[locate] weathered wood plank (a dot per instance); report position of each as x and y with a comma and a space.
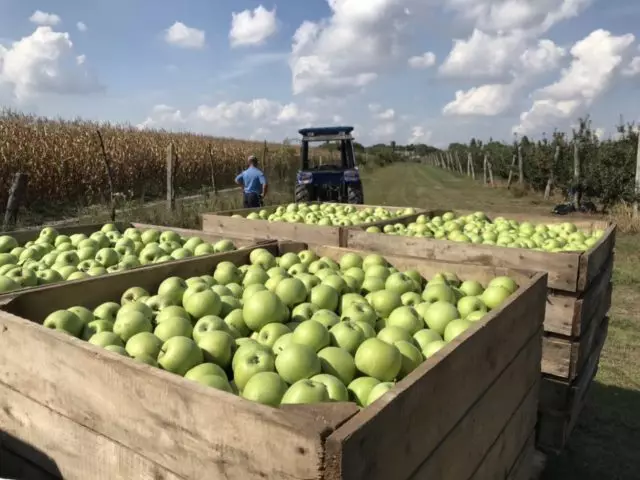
485, 421
594, 260
526, 467
160, 416
505, 452
392, 437
565, 358
73, 451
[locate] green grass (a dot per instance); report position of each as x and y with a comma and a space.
605, 443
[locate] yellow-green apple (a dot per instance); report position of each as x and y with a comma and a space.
143, 343
133, 294
455, 328
360, 388
262, 308
406, 318
96, 326
237, 326
313, 334
64, 321
217, 347
297, 362
494, 296
266, 388
305, 391
179, 355
411, 357
104, 339
378, 391
471, 288
282, 342
335, 388
201, 304
204, 370
173, 288
439, 314
271, 332
378, 359
106, 311
260, 360
347, 335
433, 347
131, 322
393, 334
337, 362
173, 327
425, 336
384, 302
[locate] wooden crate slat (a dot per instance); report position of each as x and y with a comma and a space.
505, 452
74, 451
565, 358
359, 449
485, 421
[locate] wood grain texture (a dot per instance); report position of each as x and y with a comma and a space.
405, 427
504, 453
180, 425
593, 261
486, 420
72, 450
565, 358
526, 467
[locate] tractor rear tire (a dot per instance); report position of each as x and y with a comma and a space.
355, 195
303, 194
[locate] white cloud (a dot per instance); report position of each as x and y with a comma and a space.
486, 100
384, 132
353, 47
183, 36
423, 61
260, 109
163, 116
81, 26
544, 57
596, 60
252, 27
419, 135
633, 68
42, 18
45, 62
388, 114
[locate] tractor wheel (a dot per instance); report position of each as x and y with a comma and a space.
355, 195
303, 194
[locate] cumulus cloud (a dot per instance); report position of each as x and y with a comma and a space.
42, 18
423, 61
81, 26
486, 100
250, 28
351, 48
45, 62
419, 135
596, 60
183, 36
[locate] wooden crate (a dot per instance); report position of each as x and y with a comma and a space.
23, 236
562, 402
100, 415
220, 222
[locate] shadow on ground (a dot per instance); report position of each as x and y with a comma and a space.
606, 442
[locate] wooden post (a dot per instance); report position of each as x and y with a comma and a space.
520, 166
16, 196
171, 199
469, 164
449, 162
485, 161
549, 187
459, 164
637, 188
107, 166
576, 174
490, 174
212, 171
513, 164
473, 168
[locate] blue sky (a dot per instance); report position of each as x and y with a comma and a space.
432, 71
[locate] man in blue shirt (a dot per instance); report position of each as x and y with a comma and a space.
254, 184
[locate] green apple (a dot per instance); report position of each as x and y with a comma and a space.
455, 328
203, 249
505, 282
245, 348
335, 388
304, 311
136, 307
147, 359
313, 334
173, 288
116, 349
205, 370
7, 243
96, 326
104, 339
64, 321
393, 334
378, 359
173, 327
406, 318
325, 297
439, 292
209, 323
411, 357
144, 343
266, 388
214, 381
282, 342
378, 391
217, 347
201, 304
129, 323
296, 362
471, 288
468, 305
8, 285
291, 291
262, 308
425, 336
400, 283
347, 335
179, 355
106, 311
337, 362
229, 303
133, 294
360, 388
271, 332
433, 347
236, 323
259, 360
439, 314
306, 391
384, 302
494, 296
107, 257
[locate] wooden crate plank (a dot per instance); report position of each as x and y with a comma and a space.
505, 452
73, 450
485, 421
526, 467
555, 428
558, 395
561, 267
391, 438
565, 358
183, 426
593, 260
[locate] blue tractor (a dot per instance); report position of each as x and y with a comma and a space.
329, 183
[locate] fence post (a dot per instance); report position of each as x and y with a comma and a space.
520, 166
16, 196
473, 168
107, 166
171, 154
576, 174
549, 187
484, 169
513, 164
491, 174
637, 187
459, 164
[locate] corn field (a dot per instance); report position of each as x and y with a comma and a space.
65, 161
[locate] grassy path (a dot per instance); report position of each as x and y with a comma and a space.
606, 442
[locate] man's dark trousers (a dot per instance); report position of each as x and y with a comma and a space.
252, 200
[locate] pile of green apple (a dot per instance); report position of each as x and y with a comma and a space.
477, 228
291, 329
327, 214
53, 257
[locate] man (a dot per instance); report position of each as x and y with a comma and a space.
254, 183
